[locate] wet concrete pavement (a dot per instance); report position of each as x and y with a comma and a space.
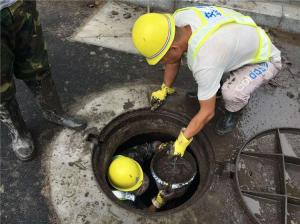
80, 70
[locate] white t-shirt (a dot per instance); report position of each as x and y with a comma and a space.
229, 48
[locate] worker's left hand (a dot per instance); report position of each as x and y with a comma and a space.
162, 197
158, 97
181, 144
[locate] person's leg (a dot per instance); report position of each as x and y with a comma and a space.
10, 114
238, 88
32, 66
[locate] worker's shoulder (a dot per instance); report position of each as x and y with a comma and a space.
184, 11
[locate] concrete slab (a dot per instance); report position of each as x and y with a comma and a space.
157, 4
111, 27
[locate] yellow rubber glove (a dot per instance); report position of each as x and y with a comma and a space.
163, 197
162, 94
181, 144
158, 201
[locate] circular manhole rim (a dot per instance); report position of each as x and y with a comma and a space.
275, 131
175, 116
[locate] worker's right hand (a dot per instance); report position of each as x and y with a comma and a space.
158, 97
181, 144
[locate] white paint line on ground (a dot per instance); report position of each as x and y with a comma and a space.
111, 27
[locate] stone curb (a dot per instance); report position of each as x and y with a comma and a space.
283, 15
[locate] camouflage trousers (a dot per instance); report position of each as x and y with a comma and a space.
23, 49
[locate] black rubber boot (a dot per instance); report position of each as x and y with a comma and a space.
227, 122
22, 143
46, 95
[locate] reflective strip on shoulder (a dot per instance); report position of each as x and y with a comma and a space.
264, 48
245, 20
206, 32
203, 33
196, 11
228, 12
200, 16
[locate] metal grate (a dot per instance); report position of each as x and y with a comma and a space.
268, 176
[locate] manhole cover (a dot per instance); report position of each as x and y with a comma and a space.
138, 127
268, 176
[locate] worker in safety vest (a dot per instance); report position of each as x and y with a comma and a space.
24, 56
216, 41
126, 176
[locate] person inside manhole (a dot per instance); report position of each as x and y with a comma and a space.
216, 41
128, 178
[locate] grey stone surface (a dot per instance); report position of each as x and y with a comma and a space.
167, 5
284, 14
274, 14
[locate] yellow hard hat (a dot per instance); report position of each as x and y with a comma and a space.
125, 174
153, 34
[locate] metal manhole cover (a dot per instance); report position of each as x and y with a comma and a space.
268, 176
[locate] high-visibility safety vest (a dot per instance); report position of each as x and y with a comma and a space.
213, 18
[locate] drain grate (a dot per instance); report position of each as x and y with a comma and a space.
268, 176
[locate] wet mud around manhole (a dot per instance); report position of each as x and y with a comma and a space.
143, 126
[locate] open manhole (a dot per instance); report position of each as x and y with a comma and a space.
141, 126
268, 176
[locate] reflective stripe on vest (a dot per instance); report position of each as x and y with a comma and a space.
124, 195
264, 49
212, 18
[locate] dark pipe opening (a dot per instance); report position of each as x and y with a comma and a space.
138, 127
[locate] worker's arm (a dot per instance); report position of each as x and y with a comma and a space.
205, 114
170, 73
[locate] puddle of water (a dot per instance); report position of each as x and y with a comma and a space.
287, 148
259, 174
264, 144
